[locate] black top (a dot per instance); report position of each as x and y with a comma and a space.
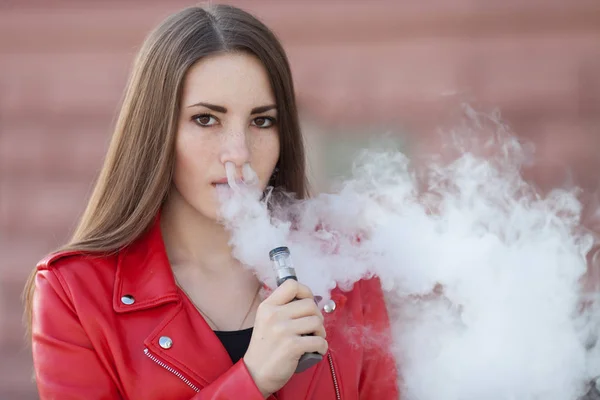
235, 342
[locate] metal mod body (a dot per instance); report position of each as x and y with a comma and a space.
284, 268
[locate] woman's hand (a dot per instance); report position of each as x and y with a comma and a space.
277, 340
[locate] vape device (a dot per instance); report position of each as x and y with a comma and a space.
282, 263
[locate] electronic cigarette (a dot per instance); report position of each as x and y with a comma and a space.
282, 263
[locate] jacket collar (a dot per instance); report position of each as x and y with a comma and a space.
144, 278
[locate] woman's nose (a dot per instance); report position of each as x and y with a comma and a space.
236, 149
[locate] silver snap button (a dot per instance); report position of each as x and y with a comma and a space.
165, 342
127, 299
329, 307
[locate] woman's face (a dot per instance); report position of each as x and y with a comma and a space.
228, 114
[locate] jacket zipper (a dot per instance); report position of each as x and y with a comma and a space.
171, 370
196, 389
335, 381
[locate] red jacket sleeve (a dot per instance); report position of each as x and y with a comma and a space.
67, 366
379, 377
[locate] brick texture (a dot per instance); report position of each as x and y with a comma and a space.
65, 63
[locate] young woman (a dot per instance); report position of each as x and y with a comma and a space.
146, 301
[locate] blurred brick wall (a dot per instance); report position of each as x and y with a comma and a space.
63, 66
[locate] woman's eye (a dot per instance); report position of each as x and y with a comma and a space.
205, 120
264, 122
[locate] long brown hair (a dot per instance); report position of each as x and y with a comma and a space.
137, 172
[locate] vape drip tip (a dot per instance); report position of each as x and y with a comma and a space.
282, 263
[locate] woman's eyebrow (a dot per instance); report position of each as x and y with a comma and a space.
221, 109
213, 107
262, 109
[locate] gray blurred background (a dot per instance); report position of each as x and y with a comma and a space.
361, 68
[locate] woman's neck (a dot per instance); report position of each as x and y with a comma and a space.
192, 240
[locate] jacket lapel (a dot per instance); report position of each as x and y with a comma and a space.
145, 283
196, 351
144, 278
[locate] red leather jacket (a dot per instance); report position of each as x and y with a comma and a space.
99, 322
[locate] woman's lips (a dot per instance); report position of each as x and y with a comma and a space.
224, 181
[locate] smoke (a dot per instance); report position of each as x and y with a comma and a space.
482, 272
